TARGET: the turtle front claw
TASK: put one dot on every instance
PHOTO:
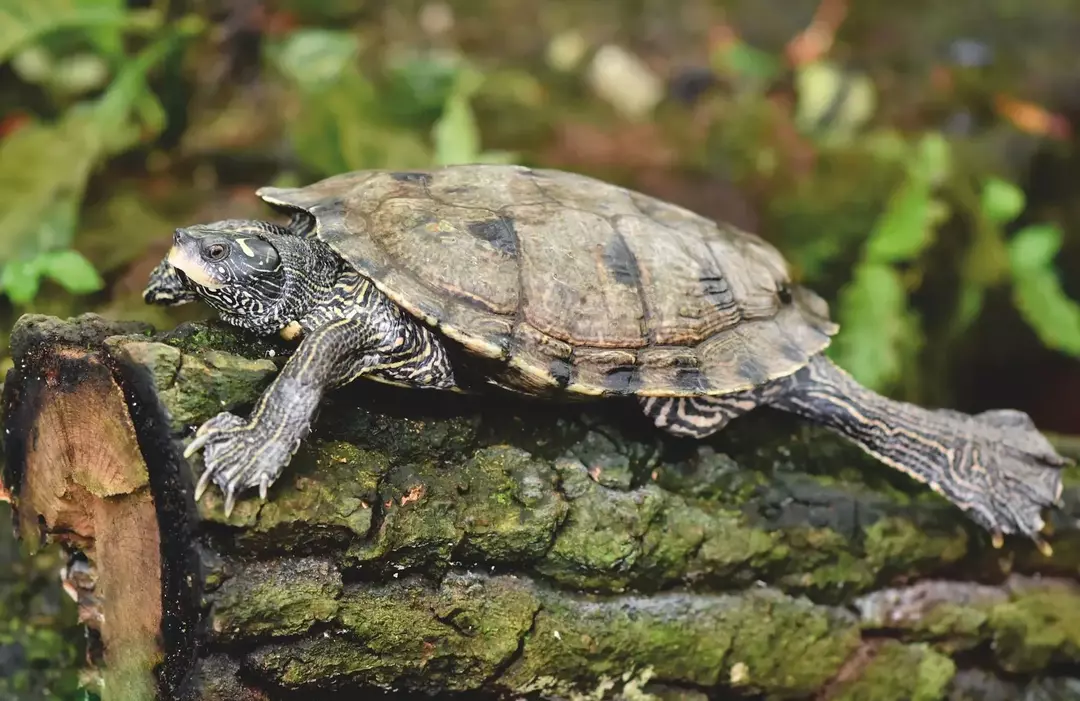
(237, 455)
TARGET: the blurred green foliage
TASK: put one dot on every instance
(40, 639)
(881, 332)
(346, 123)
(70, 48)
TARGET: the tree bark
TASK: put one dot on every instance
(429, 543)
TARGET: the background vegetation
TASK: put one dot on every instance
(915, 161)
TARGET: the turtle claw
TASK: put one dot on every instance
(230, 500)
(196, 444)
(204, 482)
(237, 455)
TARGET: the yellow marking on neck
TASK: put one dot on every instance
(291, 330)
(242, 243)
(180, 260)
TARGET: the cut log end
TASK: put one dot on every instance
(78, 478)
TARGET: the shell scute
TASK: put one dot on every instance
(575, 284)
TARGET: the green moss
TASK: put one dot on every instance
(194, 388)
(600, 542)
(506, 633)
(420, 504)
(330, 497)
(733, 549)
(760, 641)
(709, 474)
(789, 646)
(900, 545)
(500, 507)
(834, 569)
(1028, 626)
(829, 564)
(276, 598)
(333, 659)
(899, 672)
(1041, 626)
(195, 337)
(381, 419)
(83, 331)
(453, 636)
(509, 506)
(962, 625)
(612, 461)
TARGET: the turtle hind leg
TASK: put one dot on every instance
(996, 466)
(696, 417)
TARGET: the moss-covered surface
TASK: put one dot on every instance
(1025, 626)
(194, 386)
(274, 598)
(899, 672)
(504, 632)
(470, 543)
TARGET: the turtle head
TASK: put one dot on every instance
(251, 272)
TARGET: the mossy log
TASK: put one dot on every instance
(489, 547)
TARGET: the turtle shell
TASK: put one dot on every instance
(576, 284)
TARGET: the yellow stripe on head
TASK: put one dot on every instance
(242, 243)
(179, 259)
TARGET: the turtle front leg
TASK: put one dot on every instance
(359, 332)
(166, 288)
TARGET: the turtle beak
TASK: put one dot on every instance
(184, 256)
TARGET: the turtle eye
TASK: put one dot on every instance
(216, 251)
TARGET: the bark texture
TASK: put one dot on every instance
(427, 543)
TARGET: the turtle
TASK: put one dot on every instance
(564, 285)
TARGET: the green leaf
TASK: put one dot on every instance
(1051, 314)
(315, 59)
(44, 168)
(832, 102)
(932, 159)
(970, 304)
(112, 112)
(72, 271)
(747, 62)
(903, 230)
(418, 87)
(23, 22)
(343, 129)
(1001, 201)
(1037, 292)
(20, 280)
(456, 135)
(41, 166)
(1034, 247)
(877, 332)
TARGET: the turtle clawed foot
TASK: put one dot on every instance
(237, 456)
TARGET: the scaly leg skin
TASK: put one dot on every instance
(995, 466)
(166, 288)
(358, 332)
